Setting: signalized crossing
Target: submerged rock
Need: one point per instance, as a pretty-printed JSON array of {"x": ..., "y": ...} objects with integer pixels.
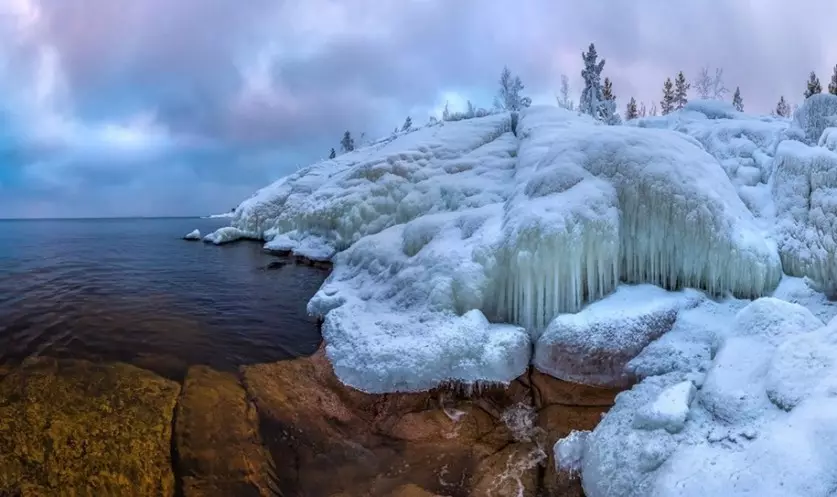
[
  {"x": 77, "y": 428},
  {"x": 219, "y": 449}
]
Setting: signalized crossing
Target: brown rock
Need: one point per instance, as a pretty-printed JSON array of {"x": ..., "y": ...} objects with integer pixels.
[
  {"x": 328, "y": 439},
  {"x": 77, "y": 428},
  {"x": 218, "y": 444},
  {"x": 549, "y": 390}
]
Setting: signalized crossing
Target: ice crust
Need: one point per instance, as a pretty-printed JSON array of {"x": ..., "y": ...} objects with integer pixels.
[{"x": 192, "y": 235}]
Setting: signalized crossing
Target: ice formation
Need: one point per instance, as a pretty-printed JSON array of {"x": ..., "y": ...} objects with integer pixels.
[
  {"x": 762, "y": 422},
  {"x": 193, "y": 235},
  {"x": 804, "y": 191},
  {"x": 828, "y": 139},
  {"x": 229, "y": 234},
  {"x": 817, "y": 113},
  {"x": 594, "y": 345}
]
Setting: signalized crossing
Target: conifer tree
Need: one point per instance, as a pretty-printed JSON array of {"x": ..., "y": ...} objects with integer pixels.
[
  {"x": 782, "y": 108},
  {"x": 814, "y": 86},
  {"x": 347, "y": 143},
  {"x": 332, "y": 154},
  {"x": 832, "y": 86},
  {"x": 642, "y": 110},
  {"x": 667, "y": 103},
  {"x": 509, "y": 98},
  {"x": 737, "y": 101},
  {"x": 607, "y": 90},
  {"x": 681, "y": 90},
  {"x": 631, "y": 111},
  {"x": 408, "y": 123},
  {"x": 653, "y": 110},
  {"x": 591, "y": 96}
]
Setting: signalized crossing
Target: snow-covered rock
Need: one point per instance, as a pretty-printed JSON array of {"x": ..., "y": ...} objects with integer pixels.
[
  {"x": 228, "y": 234},
  {"x": 193, "y": 235},
  {"x": 569, "y": 451},
  {"x": 805, "y": 194},
  {"x": 593, "y": 345},
  {"x": 762, "y": 421}
]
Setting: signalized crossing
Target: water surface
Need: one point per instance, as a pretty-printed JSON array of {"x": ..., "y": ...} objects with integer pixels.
[{"x": 131, "y": 290}]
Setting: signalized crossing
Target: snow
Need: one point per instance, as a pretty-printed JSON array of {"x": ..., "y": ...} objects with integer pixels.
[
  {"x": 569, "y": 452},
  {"x": 192, "y": 235},
  {"x": 669, "y": 410},
  {"x": 223, "y": 215},
  {"x": 828, "y": 139},
  {"x": 228, "y": 234},
  {"x": 594, "y": 345}
]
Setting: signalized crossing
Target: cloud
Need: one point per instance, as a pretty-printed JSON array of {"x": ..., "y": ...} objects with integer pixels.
[{"x": 162, "y": 107}]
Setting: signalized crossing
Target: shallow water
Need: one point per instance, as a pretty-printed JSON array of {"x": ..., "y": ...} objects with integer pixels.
[{"x": 131, "y": 290}]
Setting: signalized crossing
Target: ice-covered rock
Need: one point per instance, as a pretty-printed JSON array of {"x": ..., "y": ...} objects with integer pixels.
[
  {"x": 193, "y": 235},
  {"x": 228, "y": 234},
  {"x": 669, "y": 410},
  {"x": 804, "y": 191},
  {"x": 762, "y": 422},
  {"x": 569, "y": 452},
  {"x": 593, "y": 345},
  {"x": 828, "y": 139},
  {"x": 817, "y": 113}
]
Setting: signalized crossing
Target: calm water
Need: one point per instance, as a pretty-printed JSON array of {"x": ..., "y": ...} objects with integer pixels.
[{"x": 132, "y": 290}]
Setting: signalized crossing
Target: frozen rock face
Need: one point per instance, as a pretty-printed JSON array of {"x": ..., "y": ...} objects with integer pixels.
[
  {"x": 228, "y": 234},
  {"x": 817, "y": 113},
  {"x": 804, "y": 189},
  {"x": 194, "y": 235},
  {"x": 594, "y": 345},
  {"x": 761, "y": 422}
]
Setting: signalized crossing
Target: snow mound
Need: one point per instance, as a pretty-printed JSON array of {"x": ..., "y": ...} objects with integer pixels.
[
  {"x": 569, "y": 452},
  {"x": 594, "y": 345},
  {"x": 828, "y": 139},
  {"x": 229, "y": 234},
  {"x": 743, "y": 144},
  {"x": 193, "y": 235},
  {"x": 638, "y": 205},
  {"x": 312, "y": 247},
  {"x": 805, "y": 194},
  {"x": 817, "y": 113},
  {"x": 762, "y": 422}
]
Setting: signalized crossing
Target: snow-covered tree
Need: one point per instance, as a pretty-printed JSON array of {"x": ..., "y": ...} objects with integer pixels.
[
  {"x": 332, "y": 154},
  {"x": 832, "y": 86},
  {"x": 564, "y": 99},
  {"x": 667, "y": 103},
  {"x": 509, "y": 97},
  {"x": 642, "y": 111},
  {"x": 631, "y": 111},
  {"x": 471, "y": 112},
  {"x": 608, "y": 107},
  {"x": 814, "y": 86},
  {"x": 681, "y": 90},
  {"x": 703, "y": 84},
  {"x": 347, "y": 143},
  {"x": 592, "y": 98},
  {"x": 607, "y": 90},
  {"x": 408, "y": 123},
  {"x": 713, "y": 86},
  {"x": 737, "y": 101},
  {"x": 653, "y": 110},
  {"x": 782, "y": 108},
  {"x": 446, "y": 112}
]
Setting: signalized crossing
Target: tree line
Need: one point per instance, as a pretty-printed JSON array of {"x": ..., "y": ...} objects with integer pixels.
[{"x": 599, "y": 101}]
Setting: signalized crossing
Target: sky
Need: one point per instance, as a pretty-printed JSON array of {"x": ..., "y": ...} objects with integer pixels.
[{"x": 162, "y": 107}]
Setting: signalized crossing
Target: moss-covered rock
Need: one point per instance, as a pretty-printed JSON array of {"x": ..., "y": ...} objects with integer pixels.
[
  {"x": 78, "y": 428},
  {"x": 219, "y": 451}
]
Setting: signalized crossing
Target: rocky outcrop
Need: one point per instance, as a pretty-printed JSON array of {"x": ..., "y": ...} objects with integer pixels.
[
  {"x": 218, "y": 446},
  {"x": 495, "y": 442},
  {"x": 78, "y": 428}
]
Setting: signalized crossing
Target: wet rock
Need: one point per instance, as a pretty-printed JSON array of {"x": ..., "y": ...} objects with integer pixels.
[
  {"x": 275, "y": 265},
  {"x": 78, "y": 428},
  {"x": 433, "y": 443},
  {"x": 218, "y": 447}
]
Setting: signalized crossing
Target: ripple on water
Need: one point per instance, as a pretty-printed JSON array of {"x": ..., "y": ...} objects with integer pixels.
[{"x": 133, "y": 291}]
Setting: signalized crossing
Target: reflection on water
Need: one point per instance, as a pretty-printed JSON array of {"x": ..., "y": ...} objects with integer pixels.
[{"x": 131, "y": 290}]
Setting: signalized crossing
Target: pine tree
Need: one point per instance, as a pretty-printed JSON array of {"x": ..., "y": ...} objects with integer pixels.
[
  {"x": 631, "y": 112},
  {"x": 653, "y": 110},
  {"x": 332, "y": 154},
  {"x": 667, "y": 103},
  {"x": 814, "y": 86},
  {"x": 607, "y": 90},
  {"x": 681, "y": 89},
  {"x": 782, "y": 108},
  {"x": 642, "y": 111},
  {"x": 591, "y": 95},
  {"x": 509, "y": 98},
  {"x": 832, "y": 86},
  {"x": 737, "y": 101},
  {"x": 408, "y": 123},
  {"x": 347, "y": 143}
]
